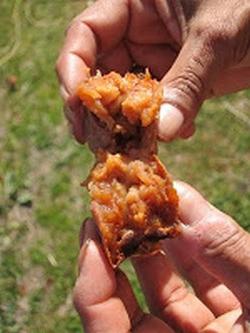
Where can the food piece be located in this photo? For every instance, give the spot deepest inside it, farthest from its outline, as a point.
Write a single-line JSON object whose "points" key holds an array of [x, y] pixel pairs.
{"points": [[132, 197], [121, 112], [133, 202]]}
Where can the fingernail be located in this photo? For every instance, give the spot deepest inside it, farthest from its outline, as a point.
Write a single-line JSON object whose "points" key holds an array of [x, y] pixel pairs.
{"points": [[82, 254], [170, 121], [192, 206], [88, 234], [88, 231], [180, 188], [82, 234], [183, 227], [84, 240]]}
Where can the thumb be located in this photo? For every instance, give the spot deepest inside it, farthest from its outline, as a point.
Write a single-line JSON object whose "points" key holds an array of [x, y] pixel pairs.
{"points": [[186, 86], [215, 241]]}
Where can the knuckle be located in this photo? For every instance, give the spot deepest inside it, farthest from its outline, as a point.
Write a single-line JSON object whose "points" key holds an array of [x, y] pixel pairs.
{"points": [[178, 294], [240, 29], [214, 38], [228, 38], [225, 238], [189, 84]]}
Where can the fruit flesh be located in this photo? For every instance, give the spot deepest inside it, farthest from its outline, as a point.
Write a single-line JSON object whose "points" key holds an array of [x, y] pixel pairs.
{"points": [[132, 197]]}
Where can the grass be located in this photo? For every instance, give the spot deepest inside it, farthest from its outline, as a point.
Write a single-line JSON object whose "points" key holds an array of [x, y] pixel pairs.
{"points": [[41, 167]]}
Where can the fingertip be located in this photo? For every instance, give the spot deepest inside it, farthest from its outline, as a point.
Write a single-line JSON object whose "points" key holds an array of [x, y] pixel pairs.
{"points": [[193, 206], [182, 188], [88, 234], [187, 132], [88, 230], [170, 122], [96, 279], [71, 71]]}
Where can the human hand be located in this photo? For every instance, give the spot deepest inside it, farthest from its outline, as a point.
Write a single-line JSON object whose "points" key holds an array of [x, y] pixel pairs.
{"points": [[212, 253], [203, 46]]}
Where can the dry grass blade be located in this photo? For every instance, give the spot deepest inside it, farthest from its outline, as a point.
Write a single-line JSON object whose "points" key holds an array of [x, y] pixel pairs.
{"points": [[239, 111], [17, 34], [42, 23]]}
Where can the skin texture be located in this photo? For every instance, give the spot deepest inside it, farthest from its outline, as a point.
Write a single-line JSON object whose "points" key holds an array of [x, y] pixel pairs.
{"points": [[198, 49], [217, 266]]}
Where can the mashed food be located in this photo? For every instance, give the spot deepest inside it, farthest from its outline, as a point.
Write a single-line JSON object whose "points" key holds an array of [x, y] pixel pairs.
{"points": [[132, 197]]}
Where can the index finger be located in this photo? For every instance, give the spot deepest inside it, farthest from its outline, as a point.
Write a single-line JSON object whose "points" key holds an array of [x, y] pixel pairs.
{"points": [[86, 38], [97, 287], [104, 298]]}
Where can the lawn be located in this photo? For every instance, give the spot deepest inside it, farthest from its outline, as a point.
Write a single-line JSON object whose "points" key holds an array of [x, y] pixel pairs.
{"points": [[41, 202]]}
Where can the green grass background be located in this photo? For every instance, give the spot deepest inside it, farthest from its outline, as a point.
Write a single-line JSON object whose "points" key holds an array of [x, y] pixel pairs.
{"points": [[41, 166]]}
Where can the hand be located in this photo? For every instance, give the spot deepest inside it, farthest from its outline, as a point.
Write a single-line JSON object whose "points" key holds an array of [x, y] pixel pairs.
{"points": [[213, 254], [198, 48]]}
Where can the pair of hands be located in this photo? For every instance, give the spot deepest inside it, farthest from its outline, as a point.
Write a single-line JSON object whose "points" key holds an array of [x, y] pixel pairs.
{"points": [[199, 49]]}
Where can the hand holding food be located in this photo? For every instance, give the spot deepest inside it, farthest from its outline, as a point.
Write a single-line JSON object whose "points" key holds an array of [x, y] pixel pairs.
{"points": [[198, 49], [212, 253]]}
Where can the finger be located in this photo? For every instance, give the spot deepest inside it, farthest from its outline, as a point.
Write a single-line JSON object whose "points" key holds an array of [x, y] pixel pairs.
{"points": [[118, 60], [167, 296], [77, 56], [151, 324], [98, 29], [187, 131], [242, 324], [224, 323], [216, 296], [215, 241], [100, 309], [103, 298], [168, 15], [158, 58], [187, 84], [145, 25]]}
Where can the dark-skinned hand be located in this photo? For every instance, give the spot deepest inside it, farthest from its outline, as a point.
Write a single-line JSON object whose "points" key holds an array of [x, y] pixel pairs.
{"points": [[212, 254], [198, 48]]}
